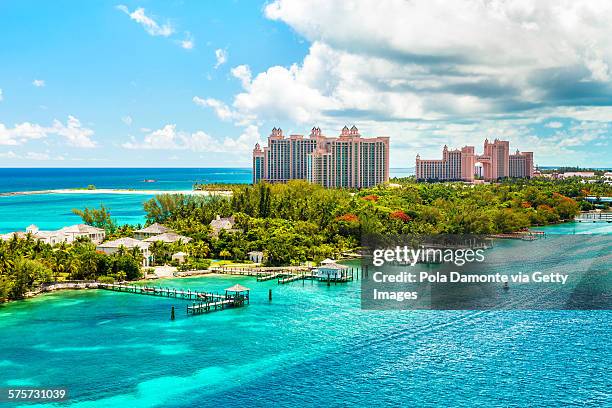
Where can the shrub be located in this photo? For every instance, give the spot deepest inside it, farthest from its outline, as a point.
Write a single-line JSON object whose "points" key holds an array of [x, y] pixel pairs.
{"points": [[106, 279]]}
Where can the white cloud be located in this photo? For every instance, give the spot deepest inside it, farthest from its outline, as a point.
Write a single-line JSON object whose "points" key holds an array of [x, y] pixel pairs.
{"points": [[169, 138], [28, 156], [221, 110], [406, 60], [39, 83], [221, 57], [554, 125], [149, 24], [36, 156], [9, 155], [1, 96], [164, 138], [188, 43], [433, 72], [243, 73], [75, 134], [127, 119]]}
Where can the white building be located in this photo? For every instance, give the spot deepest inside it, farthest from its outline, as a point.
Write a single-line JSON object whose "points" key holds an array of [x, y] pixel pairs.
{"points": [[582, 174], [256, 256], [112, 247], [67, 234], [151, 230], [331, 270], [180, 257], [220, 223], [169, 238]]}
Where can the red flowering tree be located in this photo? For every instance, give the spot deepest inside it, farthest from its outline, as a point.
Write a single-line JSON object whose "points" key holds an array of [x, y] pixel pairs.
{"points": [[348, 218], [400, 215]]}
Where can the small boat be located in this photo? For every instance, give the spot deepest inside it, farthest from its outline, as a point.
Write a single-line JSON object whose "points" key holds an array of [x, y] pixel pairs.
{"points": [[506, 286], [149, 181]]}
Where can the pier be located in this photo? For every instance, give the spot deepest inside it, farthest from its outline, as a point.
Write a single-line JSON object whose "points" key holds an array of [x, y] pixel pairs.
{"points": [[235, 296], [595, 216], [260, 271]]}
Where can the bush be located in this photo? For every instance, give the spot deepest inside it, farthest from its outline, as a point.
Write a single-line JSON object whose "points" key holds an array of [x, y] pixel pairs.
{"points": [[106, 279]]}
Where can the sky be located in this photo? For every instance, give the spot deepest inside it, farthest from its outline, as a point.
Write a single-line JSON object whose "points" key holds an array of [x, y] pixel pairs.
{"points": [[198, 83]]}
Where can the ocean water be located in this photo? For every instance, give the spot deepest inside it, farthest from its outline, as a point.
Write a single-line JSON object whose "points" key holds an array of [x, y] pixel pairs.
{"points": [[53, 211], [31, 179], [310, 346]]}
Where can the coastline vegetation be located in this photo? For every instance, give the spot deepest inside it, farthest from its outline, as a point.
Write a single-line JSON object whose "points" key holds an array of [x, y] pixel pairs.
{"points": [[294, 223], [27, 263]]}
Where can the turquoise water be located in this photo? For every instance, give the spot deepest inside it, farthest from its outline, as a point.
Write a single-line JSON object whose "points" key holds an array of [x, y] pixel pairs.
{"points": [[311, 346], [53, 211]]}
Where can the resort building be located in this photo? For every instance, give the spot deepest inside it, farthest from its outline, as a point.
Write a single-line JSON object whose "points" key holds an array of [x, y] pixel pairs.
{"points": [[151, 230], [67, 234], [222, 223], [112, 247], [13, 235], [180, 257], [455, 164], [348, 161], [463, 164], [581, 174], [521, 165], [168, 238]]}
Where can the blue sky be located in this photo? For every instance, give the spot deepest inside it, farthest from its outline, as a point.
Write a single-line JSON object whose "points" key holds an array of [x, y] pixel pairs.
{"points": [[192, 83]]}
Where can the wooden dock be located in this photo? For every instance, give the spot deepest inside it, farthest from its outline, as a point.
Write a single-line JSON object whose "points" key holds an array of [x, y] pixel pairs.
{"points": [[271, 276], [595, 216], [260, 270], [206, 301], [159, 291]]}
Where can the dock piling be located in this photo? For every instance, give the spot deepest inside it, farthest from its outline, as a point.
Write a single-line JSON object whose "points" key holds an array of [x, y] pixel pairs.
{"points": [[270, 295], [172, 314]]}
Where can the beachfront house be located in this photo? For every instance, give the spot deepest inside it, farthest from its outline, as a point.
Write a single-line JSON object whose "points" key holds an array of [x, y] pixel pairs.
{"points": [[222, 223], [11, 235], [331, 270], [180, 257], [151, 230], [112, 247], [67, 234], [169, 238], [256, 256]]}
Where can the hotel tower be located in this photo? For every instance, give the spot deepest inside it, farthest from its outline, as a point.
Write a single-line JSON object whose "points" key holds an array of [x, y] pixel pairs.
{"points": [[348, 161], [495, 163]]}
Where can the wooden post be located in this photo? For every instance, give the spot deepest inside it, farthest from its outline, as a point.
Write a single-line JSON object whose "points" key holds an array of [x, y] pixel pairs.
{"points": [[172, 314], [328, 279], [270, 295]]}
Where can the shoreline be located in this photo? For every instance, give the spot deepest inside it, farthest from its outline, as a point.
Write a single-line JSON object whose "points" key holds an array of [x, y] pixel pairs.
{"points": [[92, 285], [124, 191]]}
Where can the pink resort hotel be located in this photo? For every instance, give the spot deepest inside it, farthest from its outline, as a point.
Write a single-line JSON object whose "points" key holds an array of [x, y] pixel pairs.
{"points": [[348, 160], [495, 163]]}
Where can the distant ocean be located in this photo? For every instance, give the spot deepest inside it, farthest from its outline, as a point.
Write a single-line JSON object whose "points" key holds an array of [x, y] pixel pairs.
{"points": [[52, 211]]}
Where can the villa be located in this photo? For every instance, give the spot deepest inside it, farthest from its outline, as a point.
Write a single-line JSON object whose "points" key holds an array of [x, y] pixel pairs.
{"points": [[180, 257], [112, 247], [67, 234], [151, 230], [219, 223], [168, 238]]}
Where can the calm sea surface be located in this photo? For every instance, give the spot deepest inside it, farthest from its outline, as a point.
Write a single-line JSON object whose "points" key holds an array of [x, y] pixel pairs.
{"points": [[53, 211], [311, 346]]}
